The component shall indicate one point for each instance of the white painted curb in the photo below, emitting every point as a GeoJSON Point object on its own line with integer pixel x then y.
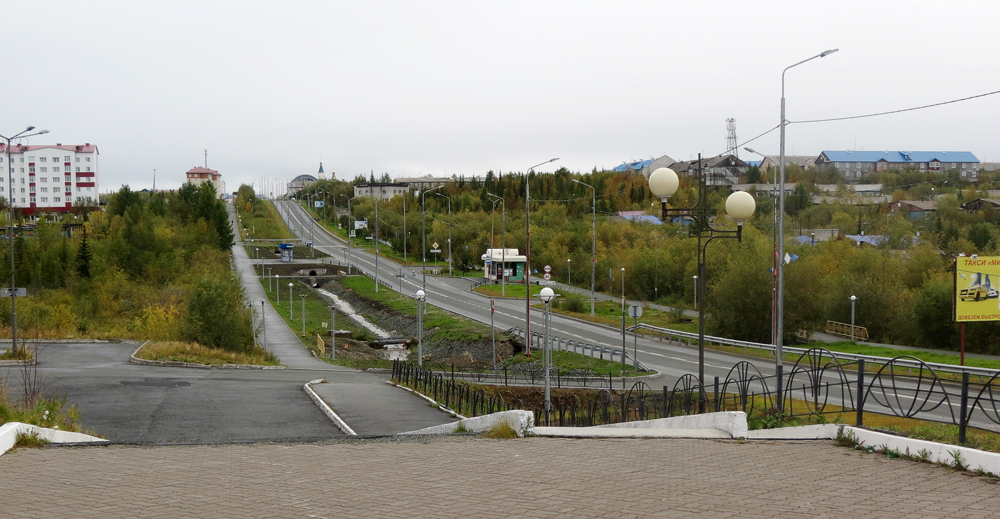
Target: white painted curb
{"type": "Point", "coordinates": [520, 420]}
{"type": "Point", "coordinates": [10, 430]}
{"type": "Point", "coordinates": [341, 424]}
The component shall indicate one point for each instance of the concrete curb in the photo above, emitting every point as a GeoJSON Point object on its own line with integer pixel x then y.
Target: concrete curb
{"type": "Point", "coordinates": [522, 422]}
{"type": "Point", "coordinates": [341, 424]}
{"type": "Point", "coordinates": [10, 430]}
{"type": "Point", "coordinates": [429, 399]}
{"type": "Point", "coordinates": [178, 364]}
{"type": "Point", "coordinates": [727, 424]}
{"type": "Point", "coordinates": [31, 362]}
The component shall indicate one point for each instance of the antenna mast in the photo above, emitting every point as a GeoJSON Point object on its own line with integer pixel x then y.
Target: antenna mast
{"type": "Point", "coordinates": [732, 146]}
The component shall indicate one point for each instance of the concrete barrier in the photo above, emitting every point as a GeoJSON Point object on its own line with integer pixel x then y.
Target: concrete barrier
{"type": "Point", "coordinates": [10, 430]}
{"type": "Point", "coordinates": [521, 421]}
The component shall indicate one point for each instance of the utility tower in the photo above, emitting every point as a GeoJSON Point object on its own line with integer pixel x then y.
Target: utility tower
{"type": "Point", "coordinates": [732, 146]}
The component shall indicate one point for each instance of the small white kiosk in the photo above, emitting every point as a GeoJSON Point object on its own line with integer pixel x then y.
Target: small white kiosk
{"type": "Point", "coordinates": [504, 262]}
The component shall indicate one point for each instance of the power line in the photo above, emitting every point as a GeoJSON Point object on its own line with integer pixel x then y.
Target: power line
{"type": "Point", "coordinates": [896, 111]}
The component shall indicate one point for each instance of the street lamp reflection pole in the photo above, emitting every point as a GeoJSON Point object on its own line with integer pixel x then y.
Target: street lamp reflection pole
{"type": "Point", "coordinates": [503, 239]}
{"type": "Point", "coordinates": [527, 256]}
{"type": "Point", "coordinates": [593, 243]}
{"type": "Point", "coordinates": [10, 215]}
{"type": "Point", "coordinates": [423, 232]}
{"type": "Point", "coordinates": [774, 252]}
{"type": "Point", "coordinates": [421, 297]}
{"type": "Point", "coordinates": [449, 230]}
{"type": "Point", "coordinates": [779, 320]}
{"type": "Point", "coordinates": [547, 295]}
{"type": "Point", "coordinates": [853, 299]}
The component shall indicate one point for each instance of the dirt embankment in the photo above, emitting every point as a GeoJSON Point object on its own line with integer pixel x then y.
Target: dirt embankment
{"type": "Point", "coordinates": [464, 354]}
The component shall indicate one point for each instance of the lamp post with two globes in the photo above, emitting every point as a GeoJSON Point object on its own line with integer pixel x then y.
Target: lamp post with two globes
{"type": "Point", "coordinates": [547, 295]}
{"type": "Point", "coordinates": [740, 206]}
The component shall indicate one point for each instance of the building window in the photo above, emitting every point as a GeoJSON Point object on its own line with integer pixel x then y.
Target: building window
{"type": "Point", "coordinates": [45, 199]}
{"type": "Point", "coordinates": [55, 169]}
{"type": "Point", "coordinates": [45, 190]}
{"type": "Point", "coordinates": [88, 168]}
{"type": "Point", "coordinates": [88, 159]}
{"type": "Point", "coordinates": [67, 158]}
{"type": "Point", "coordinates": [56, 179]}
{"type": "Point", "coordinates": [40, 159]}
{"type": "Point", "coordinates": [32, 199]}
{"type": "Point", "coordinates": [55, 159]}
{"type": "Point", "coordinates": [22, 160]}
{"type": "Point", "coordinates": [44, 179]}
{"type": "Point", "coordinates": [78, 169]}
{"type": "Point", "coordinates": [31, 169]}
{"type": "Point", "coordinates": [44, 169]}
{"type": "Point", "coordinates": [952, 165]}
{"type": "Point", "coordinates": [56, 199]}
{"type": "Point", "coordinates": [78, 159]}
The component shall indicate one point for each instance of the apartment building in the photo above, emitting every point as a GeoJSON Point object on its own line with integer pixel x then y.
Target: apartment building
{"type": "Point", "coordinates": [200, 175]}
{"type": "Point", "coordinates": [854, 164]}
{"type": "Point", "coordinates": [49, 177]}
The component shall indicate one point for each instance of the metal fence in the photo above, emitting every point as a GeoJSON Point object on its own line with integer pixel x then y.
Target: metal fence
{"type": "Point", "coordinates": [692, 338]}
{"type": "Point", "coordinates": [820, 382]}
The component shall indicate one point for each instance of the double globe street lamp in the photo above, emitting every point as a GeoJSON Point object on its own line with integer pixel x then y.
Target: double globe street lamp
{"type": "Point", "coordinates": [740, 206]}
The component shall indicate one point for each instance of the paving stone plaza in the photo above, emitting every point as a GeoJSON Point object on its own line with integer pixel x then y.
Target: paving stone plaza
{"type": "Point", "coordinates": [468, 477]}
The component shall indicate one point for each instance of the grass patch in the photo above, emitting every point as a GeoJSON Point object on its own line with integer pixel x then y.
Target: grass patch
{"type": "Point", "coordinates": [198, 354]}
{"type": "Point", "coordinates": [503, 429]}
{"type": "Point", "coordinates": [22, 354]}
{"type": "Point", "coordinates": [45, 412]}
{"type": "Point", "coordinates": [262, 222]}
{"type": "Point", "coordinates": [512, 291]}
{"type": "Point", "coordinates": [609, 313]}
{"type": "Point", "coordinates": [29, 441]}
{"type": "Point", "coordinates": [566, 362]}
{"type": "Point", "coordinates": [362, 364]}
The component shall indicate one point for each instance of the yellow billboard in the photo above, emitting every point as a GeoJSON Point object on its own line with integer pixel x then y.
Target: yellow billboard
{"type": "Point", "coordinates": [977, 281]}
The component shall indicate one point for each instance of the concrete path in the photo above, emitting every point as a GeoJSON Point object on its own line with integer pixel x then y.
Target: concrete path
{"type": "Point", "coordinates": [462, 476]}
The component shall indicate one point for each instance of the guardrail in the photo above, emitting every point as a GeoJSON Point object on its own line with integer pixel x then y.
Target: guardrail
{"type": "Point", "coordinates": [372, 277]}
{"type": "Point", "coordinates": [560, 344]}
{"type": "Point", "coordinates": [847, 330]}
{"type": "Point", "coordinates": [689, 338]}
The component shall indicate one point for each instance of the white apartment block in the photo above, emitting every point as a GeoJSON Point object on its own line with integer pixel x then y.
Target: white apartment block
{"type": "Point", "coordinates": [49, 177]}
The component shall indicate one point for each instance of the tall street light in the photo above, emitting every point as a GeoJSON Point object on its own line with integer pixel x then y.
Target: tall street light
{"type": "Point", "coordinates": [449, 230]}
{"type": "Point", "coordinates": [593, 243]}
{"type": "Point", "coordinates": [10, 215]}
{"type": "Point", "coordinates": [547, 295]}
{"type": "Point", "coordinates": [740, 206]}
{"type": "Point", "coordinates": [779, 320]}
{"type": "Point", "coordinates": [377, 196]}
{"type": "Point", "coordinates": [423, 231]}
{"type": "Point", "coordinates": [527, 255]}
{"type": "Point", "coordinates": [503, 242]}
{"type": "Point", "coordinates": [774, 253]}
{"type": "Point", "coordinates": [853, 300]}
{"type": "Point", "coordinates": [350, 231]}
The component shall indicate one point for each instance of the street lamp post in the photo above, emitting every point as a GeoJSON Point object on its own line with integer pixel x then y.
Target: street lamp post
{"type": "Point", "coordinates": [774, 251]}
{"type": "Point", "coordinates": [623, 327]}
{"type": "Point", "coordinates": [376, 241]}
{"type": "Point", "coordinates": [421, 297]}
{"type": "Point", "coordinates": [277, 288]}
{"type": "Point", "coordinates": [291, 302]}
{"type": "Point", "coordinates": [303, 296]}
{"type": "Point", "coordinates": [569, 271]}
{"type": "Point", "coordinates": [547, 295]}
{"type": "Point", "coordinates": [449, 230]}
{"type": "Point", "coordinates": [593, 243]}
{"type": "Point", "coordinates": [350, 229]}
{"type": "Point", "coordinates": [503, 242]}
{"type": "Point", "coordinates": [406, 194]}
{"type": "Point", "coordinates": [740, 206]}
{"type": "Point", "coordinates": [333, 332]}
{"type": "Point", "coordinates": [423, 232]}
{"type": "Point", "coordinates": [695, 290]}
{"type": "Point", "coordinates": [779, 319]}
{"type": "Point", "coordinates": [263, 325]}
{"type": "Point", "coordinates": [527, 256]}
{"type": "Point", "coordinates": [853, 299]}
{"type": "Point", "coordinates": [268, 279]}
{"type": "Point", "coordinates": [10, 215]}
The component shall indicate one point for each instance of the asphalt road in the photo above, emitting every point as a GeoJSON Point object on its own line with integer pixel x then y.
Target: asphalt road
{"type": "Point", "coordinates": [671, 360]}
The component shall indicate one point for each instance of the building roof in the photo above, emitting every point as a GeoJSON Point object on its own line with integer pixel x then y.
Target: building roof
{"type": "Point", "coordinates": [857, 188]}
{"type": "Point", "coordinates": [510, 255]}
{"type": "Point", "coordinates": [899, 157]}
{"type": "Point", "coordinates": [633, 166]}
{"type": "Point", "coordinates": [929, 205]}
{"type": "Point", "coordinates": [303, 178]}
{"type": "Point", "coordinates": [320, 172]}
{"type": "Point", "coordinates": [21, 148]}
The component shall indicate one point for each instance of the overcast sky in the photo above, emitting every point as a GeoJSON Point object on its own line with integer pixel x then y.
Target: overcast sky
{"type": "Point", "coordinates": [461, 87]}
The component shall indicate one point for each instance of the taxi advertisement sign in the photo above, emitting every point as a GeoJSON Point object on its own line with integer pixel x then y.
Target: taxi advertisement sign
{"type": "Point", "coordinates": [977, 280]}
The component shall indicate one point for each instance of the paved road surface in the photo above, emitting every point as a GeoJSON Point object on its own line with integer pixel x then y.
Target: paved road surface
{"type": "Point", "coordinates": [464, 477]}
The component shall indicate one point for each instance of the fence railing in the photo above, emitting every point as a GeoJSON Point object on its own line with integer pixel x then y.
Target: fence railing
{"type": "Point", "coordinates": [590, 350]}
{"type": "Point", "coordinates": [819, 383]}
{"type": "Point", "coordinates": [847, 330]}
{"type": "Point", "coordinates": [692, 338]}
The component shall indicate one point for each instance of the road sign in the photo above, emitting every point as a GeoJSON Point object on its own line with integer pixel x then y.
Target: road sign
{"type": "Point", "coordinates": [493, 307]}
{"type": "Point", "coordinates": [435, 246]}
{"type": "Point", "coordinates": [19, 292]}
{"type": "Point", "coordinates": [548, 268]}
{"type": "Point", "coordinates": [547, 276]}
{"type": "Point", "coordinates": [635, 311]}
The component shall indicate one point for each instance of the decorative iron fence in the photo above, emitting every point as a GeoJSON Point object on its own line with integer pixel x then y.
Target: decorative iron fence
{"type": "Point", "coordinates": [819, 383]}
{"type": "Point", "coordinates": [590, 350]}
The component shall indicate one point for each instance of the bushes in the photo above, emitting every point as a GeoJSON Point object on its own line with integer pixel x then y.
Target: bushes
{"type": "Point", "coordinates": [217, 316]}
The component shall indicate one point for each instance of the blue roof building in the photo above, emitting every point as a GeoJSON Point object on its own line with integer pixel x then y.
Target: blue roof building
{"type": "Point", "coordinates": [853, 164]}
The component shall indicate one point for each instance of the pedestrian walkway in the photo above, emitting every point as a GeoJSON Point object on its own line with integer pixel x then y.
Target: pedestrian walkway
{"type": "Point", "coordinates": [362, 399]}
{"type": "Point", "coordinates": [463, 476]}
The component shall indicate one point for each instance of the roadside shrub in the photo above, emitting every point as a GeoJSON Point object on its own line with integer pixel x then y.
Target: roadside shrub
{"type": "Point", "coordinates": [217, 316]}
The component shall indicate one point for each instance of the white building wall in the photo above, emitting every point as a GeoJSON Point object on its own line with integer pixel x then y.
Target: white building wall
{"type": "Point", "coordinates": [50, 177]}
